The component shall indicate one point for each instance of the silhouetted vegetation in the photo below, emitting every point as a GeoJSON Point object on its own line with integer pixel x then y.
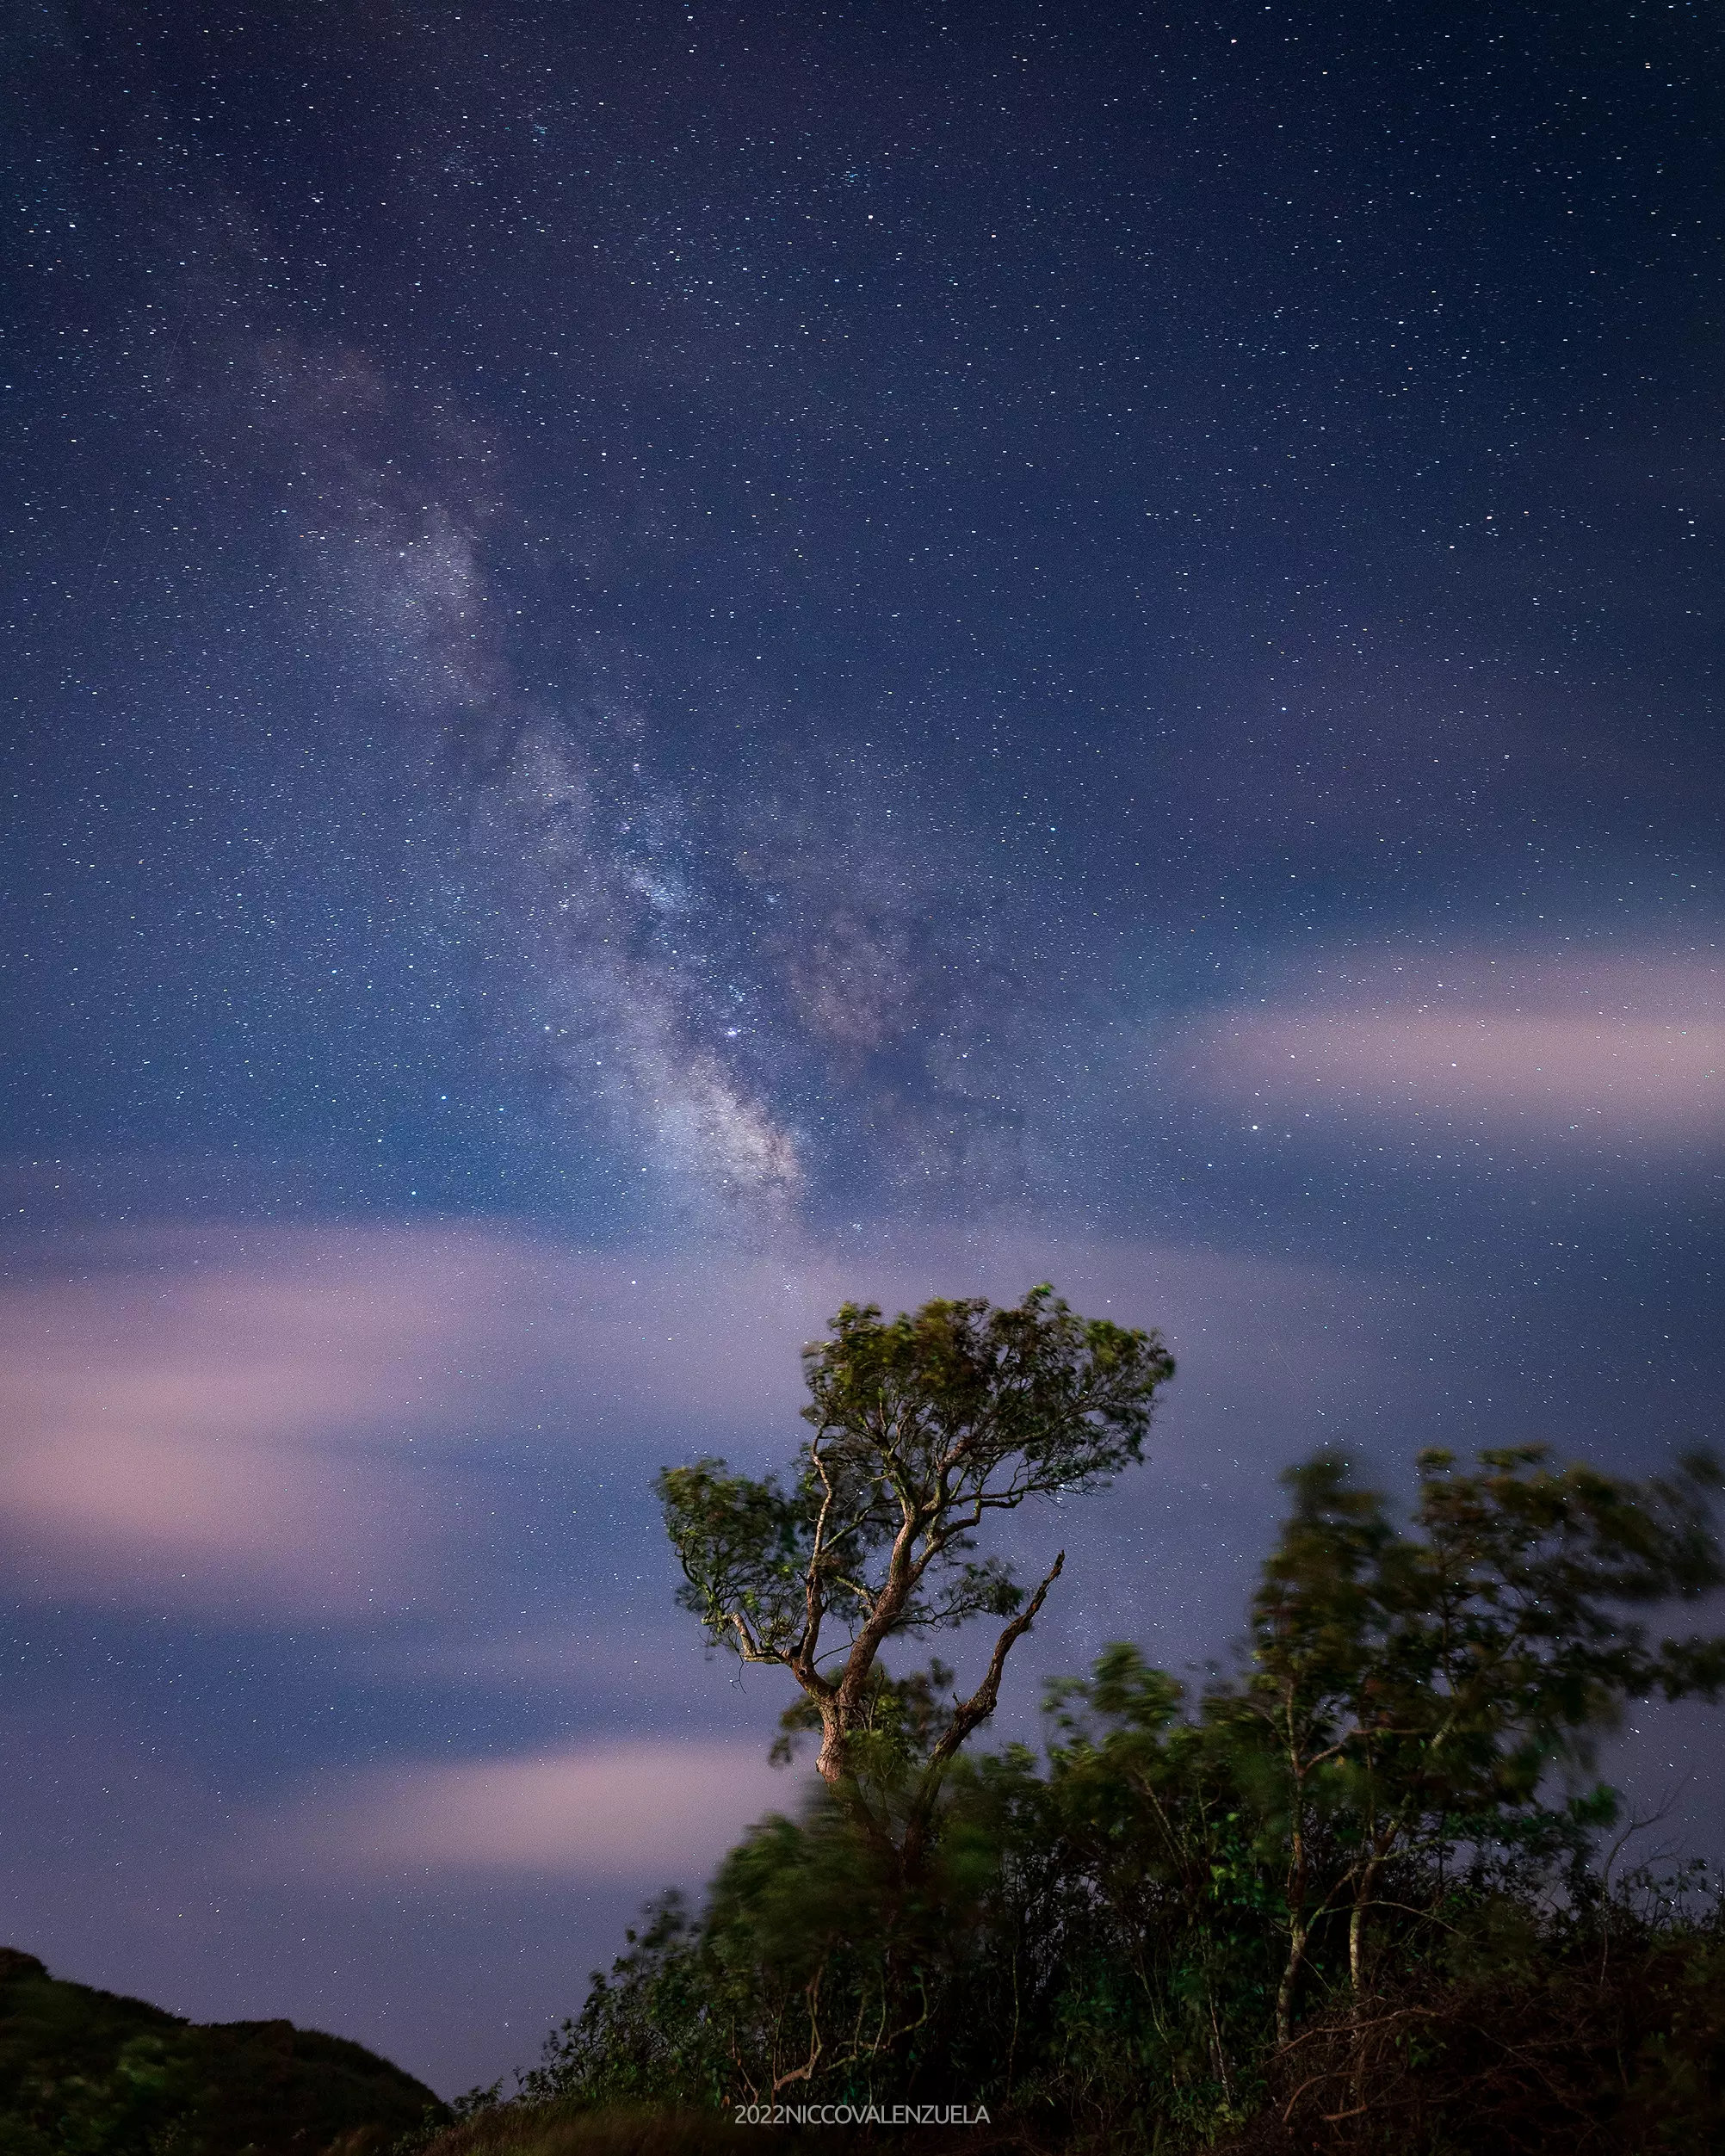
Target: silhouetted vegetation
{"type": "Point", "coordinates": [1356, 1896]}
{"type": "Point", "coordinates": [85, 2073]}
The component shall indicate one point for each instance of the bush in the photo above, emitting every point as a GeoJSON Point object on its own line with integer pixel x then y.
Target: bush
{"type": "Point", "coordinates": [1330, 1903]}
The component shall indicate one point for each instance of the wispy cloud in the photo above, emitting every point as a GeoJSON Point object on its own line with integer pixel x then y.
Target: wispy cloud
{"type": "Point", "coordinates": [192, 1419]}
{"type": "Point", "coordinates": [278, 1420]}
{"type": "Point", "coordinates": [1628, 1048]}
{"type": "Point", "coordinates": [646, 1811]}
{"type": "Point", "coordinates": [267, 1418]}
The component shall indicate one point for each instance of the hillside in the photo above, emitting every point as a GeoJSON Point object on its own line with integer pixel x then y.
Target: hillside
{"type": "Point", "coordinates": [88, 2071]}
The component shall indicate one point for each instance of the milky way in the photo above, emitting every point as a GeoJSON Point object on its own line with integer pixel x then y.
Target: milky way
{"type": "Point", "coordinates": [668, 665]}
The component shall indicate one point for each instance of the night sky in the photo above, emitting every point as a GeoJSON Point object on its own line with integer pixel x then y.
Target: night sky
{"type": "Point", "coordinates": [664, 664]}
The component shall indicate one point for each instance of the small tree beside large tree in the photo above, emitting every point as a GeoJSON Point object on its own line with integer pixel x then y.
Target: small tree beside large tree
{"type": "Point", "coordinates": [923, 1426]}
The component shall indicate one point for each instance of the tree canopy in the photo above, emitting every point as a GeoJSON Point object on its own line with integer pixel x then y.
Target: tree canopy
{"type": "Point", "coordinates": [922, 1426]}
{"type": "Point", "coordinates": [1405, 1682]}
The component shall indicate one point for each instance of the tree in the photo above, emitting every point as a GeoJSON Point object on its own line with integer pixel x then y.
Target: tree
{"type": "Point", "coordinates": [923, 1426]}
{"type": "Point", "coordinates": [1334, 1897]}
{"type": "Point", "coordinates": [1404, 1683]}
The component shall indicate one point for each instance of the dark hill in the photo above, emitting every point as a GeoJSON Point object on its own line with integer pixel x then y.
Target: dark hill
{"type": "Point", "coordinates": [88, 2071]}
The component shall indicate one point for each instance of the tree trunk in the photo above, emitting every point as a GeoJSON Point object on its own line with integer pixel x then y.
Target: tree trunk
{"type": "Point", "coordinates": [1297, 1929]}
{"type": "Point", "coordinates": [831, 1764]}
{"type": "Point", "coordinates": [1357, 1915]}
{"type": "Point", "coordinates": [1284, 1990]}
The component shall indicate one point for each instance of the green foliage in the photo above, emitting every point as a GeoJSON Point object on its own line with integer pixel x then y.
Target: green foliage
{"type": "Point", "coordinates": [1345, 1898]}
{"type": "Point", "coordinates": [922, 1425]}
{"type": "Point", "coordinates": [1465, 1661]}
{"type": "Point", "coordinates": [654, 2030]}
{"type": "Point", "coordinates": [1406, 1691]}
{"type": "Point", "coordinates": [85, 2073]}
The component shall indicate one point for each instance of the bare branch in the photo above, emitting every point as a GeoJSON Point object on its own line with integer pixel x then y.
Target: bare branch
{"type": "Point", "coordinates": [982, 1702]}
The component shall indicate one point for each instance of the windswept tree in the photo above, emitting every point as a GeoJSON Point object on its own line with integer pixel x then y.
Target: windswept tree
{"type": "Point", "coordinates": [1347, 1898]}
{"type": "Point", "coordinates": [1405, 1684]}
{"type": "Point", "coordinates": [922, 1427]}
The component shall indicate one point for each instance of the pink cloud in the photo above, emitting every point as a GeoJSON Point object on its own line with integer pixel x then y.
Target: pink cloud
{"type": "Point", "coordinates": [1625, 1049]}
{"type": "Point", "coordinates": [276, 1420]}
{"type": "Point", "coordinates": [644, 1809]}
{"type": "Point", "coordinates": [261, 1418]}
{"type": "Point", "coordinates": [212, 1415]}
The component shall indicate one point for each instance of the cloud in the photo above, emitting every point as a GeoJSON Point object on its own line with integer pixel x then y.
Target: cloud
{"type": "Point", "coordinates": [277, 1420]}
{"type": "Point", "coordinates": [270, 1419]}
{"type": "Point", "coordinates": [647, 1810]}
{"type": "Point", "coordinates": [207, 1415]}
{"type": "Point", "coordinates": [1626, 1049]}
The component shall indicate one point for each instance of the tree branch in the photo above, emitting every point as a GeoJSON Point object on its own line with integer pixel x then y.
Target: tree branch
{"type": "Point", "coordinates": [982, 1702]}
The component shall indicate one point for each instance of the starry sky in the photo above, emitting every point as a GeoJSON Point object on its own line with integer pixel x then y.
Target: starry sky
{"type": "Point", "coordinates": [667, 663]}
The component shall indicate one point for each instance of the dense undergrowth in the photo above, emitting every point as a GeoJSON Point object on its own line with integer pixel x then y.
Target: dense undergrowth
{"type": "Point", "coordinates": [1358, 1896]}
